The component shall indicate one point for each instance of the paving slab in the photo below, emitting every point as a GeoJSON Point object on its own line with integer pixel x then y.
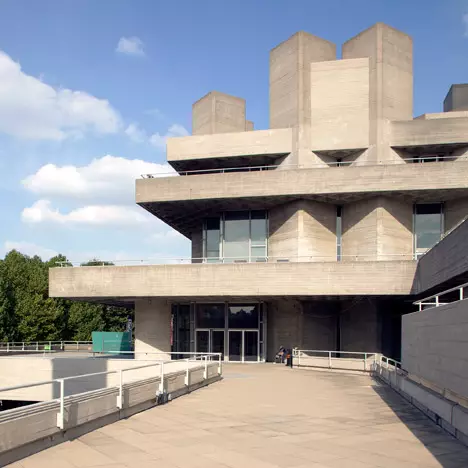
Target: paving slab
{"type": "Point", "coordinates": [268, 416]}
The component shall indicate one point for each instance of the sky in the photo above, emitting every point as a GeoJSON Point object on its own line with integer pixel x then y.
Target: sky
{"type": "Point", "coordinates": [90, 90]}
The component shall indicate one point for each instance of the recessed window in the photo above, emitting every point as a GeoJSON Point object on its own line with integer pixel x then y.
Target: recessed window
{"type": "Point", "coordinates": [236, 236]}
{"type": "Point", "coordinates": [428, 226]}
{"type": "Point", "coordinates": [339, 210]}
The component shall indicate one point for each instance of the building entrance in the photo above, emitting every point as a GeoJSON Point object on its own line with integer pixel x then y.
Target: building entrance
{"type": "Point", "coordinates": [210, 341]}
{"type": "Point", "coordinates": [244, 345]}
{"type": "Point", "coordinates": [237, 331]}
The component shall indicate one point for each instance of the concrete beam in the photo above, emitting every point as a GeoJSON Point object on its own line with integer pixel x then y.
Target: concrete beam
{"type": "Point", "coordinates": [378, 179]}
{"type": "Point", "coordinates": [242, 280]}
{"type": "Point", "coordinates": [185, 150]}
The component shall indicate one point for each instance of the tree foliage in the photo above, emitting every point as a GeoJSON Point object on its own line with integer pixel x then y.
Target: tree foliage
{"type": "Point", "coordinates": [27, 313]}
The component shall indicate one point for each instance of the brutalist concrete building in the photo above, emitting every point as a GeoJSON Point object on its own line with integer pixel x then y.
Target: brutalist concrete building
{"type": "Point", "coordinates": [309, 233]}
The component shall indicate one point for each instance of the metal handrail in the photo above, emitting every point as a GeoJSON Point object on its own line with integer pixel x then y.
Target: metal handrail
{"type": "Point", "coordinates": [218, 170]}
{"type": "Point", "coordinates": [354, 163]}
{"type": "Point", "coordinates": [119, 403]}
{"type": "Point", "coordinates": [422, 302]}
{"type": "Point", "coordinates": [231, 260]}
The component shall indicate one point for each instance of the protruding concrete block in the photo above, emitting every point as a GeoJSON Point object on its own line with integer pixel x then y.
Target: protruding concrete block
{"type": "Point", "coordinates": [218, 113]}
{"type": "Point", "coordinates": [290, 88]}
{"type": "Point", "coordinates": [303, 230]}
{"type": "Point", "coordinates": [379, 227]}
{"type": "Point", "coordinates": [391, 81]}
{"type": "Point", "coordinates": [457, 98]}
{"type": "Point", "coordinates": [340, 104]}
{"type": "Point", "coordinates": [249, 125]}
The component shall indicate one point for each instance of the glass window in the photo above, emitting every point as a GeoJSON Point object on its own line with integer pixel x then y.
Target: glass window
{"type": "Point", "coordinates": [236, 236]}
{"type": "Point", "coordinates": [210, 316]}
{"type": "Point", "coordinates": [339, 210]}
{"type": "Point", "coordinates": [428, 225]}
{"type": "Point", "coordinates": [212, 237]}
{"type": "Point", "coordinates": [243, 316]}
{"type": "Point", "coordinates": [258, 228]}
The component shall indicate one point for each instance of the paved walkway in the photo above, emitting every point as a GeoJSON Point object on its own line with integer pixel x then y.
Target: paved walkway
{"type": "Point", "coordinates": [266, 416]}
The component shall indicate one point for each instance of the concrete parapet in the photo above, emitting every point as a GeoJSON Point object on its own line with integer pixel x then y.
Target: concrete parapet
{"type": "Point", "coordinates": [32, 428]}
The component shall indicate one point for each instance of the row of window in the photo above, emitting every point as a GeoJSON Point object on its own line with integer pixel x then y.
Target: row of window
{"type": "Point", "coordinates": [243, 235]}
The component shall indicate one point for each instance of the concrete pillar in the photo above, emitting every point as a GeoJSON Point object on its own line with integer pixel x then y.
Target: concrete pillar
{"type": "Point", "coordinates": [378, 228]}
{"type": "Point", "coordinates": [218, 113]}
{"type": "Point", "coordinates": [152, 328]}
{"type": "Point", "coordinates": [290, 89]}
{"type": "Point", "coordinates": [302, 230]}
{"type": "Point", "coordinates": [391, 83]}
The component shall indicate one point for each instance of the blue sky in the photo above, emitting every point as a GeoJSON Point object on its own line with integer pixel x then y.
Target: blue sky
{"type": "Point", "coordinates": [90, 89]}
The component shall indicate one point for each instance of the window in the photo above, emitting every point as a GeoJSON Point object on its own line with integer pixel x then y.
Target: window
{"type": "Point", "coordinates": [428, 226]}
{"type": "Point", "coordinates": [425, 158]}
{"type": "Point", "coordinates": [211, 240]}
{"type": "Point", "coordinates": [236, 236]}
{"type": "Point", "coordinates": [210, 316]}
{"type": "Point", "coordinates": [243, 316]}
{"type": "Point", "coordinates": [339, 210]}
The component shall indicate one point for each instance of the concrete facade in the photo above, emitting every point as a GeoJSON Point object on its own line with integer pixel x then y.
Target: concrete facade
{"type": "Point", "coordinates": [337, 179]}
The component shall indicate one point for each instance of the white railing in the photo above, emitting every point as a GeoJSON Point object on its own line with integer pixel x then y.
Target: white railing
{"type": "Point", "coordinates": [429, 159]}
{"type": "Point", "coordinates": [46, 346]}
{"type": "Point", "coordinates": [222, 170]}
{"type": "Point", "coordinates": [240, 260]}
{"type": "Point", "coordinates": [349, 360]}
{"type": "Point", "coordinates": [164, 370]}
{"type": "Point", "coordinates": [456, 294]}
{"type": "Point", "coordinates": [352, 360]}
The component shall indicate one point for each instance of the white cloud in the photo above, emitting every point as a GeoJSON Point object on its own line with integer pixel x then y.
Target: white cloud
{"type": "Point", "coordinates": [29, 248]}
{"type": "Point", "coordinates": [94, 215]}
{"type": "Point", "coordinates": [32, 109]}
{"type": "Point", "coordinates": [108, 178]}
{"type": "Point", "coordinates": [465, 24]}
{"type": "Point", "coordinates": [135, 133]}
{"type": "Point", "coordinates": [174, 130]}
{"type": "Point", "coordinates": [131, 46]}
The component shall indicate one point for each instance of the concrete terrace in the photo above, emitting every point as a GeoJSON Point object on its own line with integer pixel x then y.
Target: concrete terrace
{"type": "Point", "coordinates": [268, 417]}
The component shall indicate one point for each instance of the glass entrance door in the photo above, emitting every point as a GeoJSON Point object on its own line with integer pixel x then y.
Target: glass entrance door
{"type": "Point", "coordinates": [210, 341]}
{"type": "Point", "coordinates": [251, 346]}
{"type": "Point", "coordinates": [235, 345]}
{"type": "Point", "coordinates": [243, 345]}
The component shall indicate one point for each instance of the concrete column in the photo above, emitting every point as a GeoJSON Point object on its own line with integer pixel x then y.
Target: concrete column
{"type": "Point", "coordinates": [302, 229]}
{"type": "Point", "coordinates": [152, 327]}
{"type": "Point", "coordinates": [290, 89]}
{"type": "Point", "coordinates": [391, 83]}
{"type": "Point", "coordinates": [218, 113]}
{"type": "Point", "coordinates": [379, 228]}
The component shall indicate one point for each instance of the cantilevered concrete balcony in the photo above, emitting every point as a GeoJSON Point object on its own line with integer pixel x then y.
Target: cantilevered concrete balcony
{"type": "Point", "coordinates": [254, 148]}
{"type": "Point", "coordinates": [181, 201]}
{"type": "Point", "coordinates": [431, 131]}
{"type": "Point", "coordinates": [210, 281]}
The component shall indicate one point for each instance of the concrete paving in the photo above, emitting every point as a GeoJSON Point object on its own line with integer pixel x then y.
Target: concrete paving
{"type": "Point", "coordinates": [268, 416]}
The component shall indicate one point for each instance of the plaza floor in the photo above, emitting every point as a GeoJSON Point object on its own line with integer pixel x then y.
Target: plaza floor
{"type": "Point", "coordinates": [268, 416]}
